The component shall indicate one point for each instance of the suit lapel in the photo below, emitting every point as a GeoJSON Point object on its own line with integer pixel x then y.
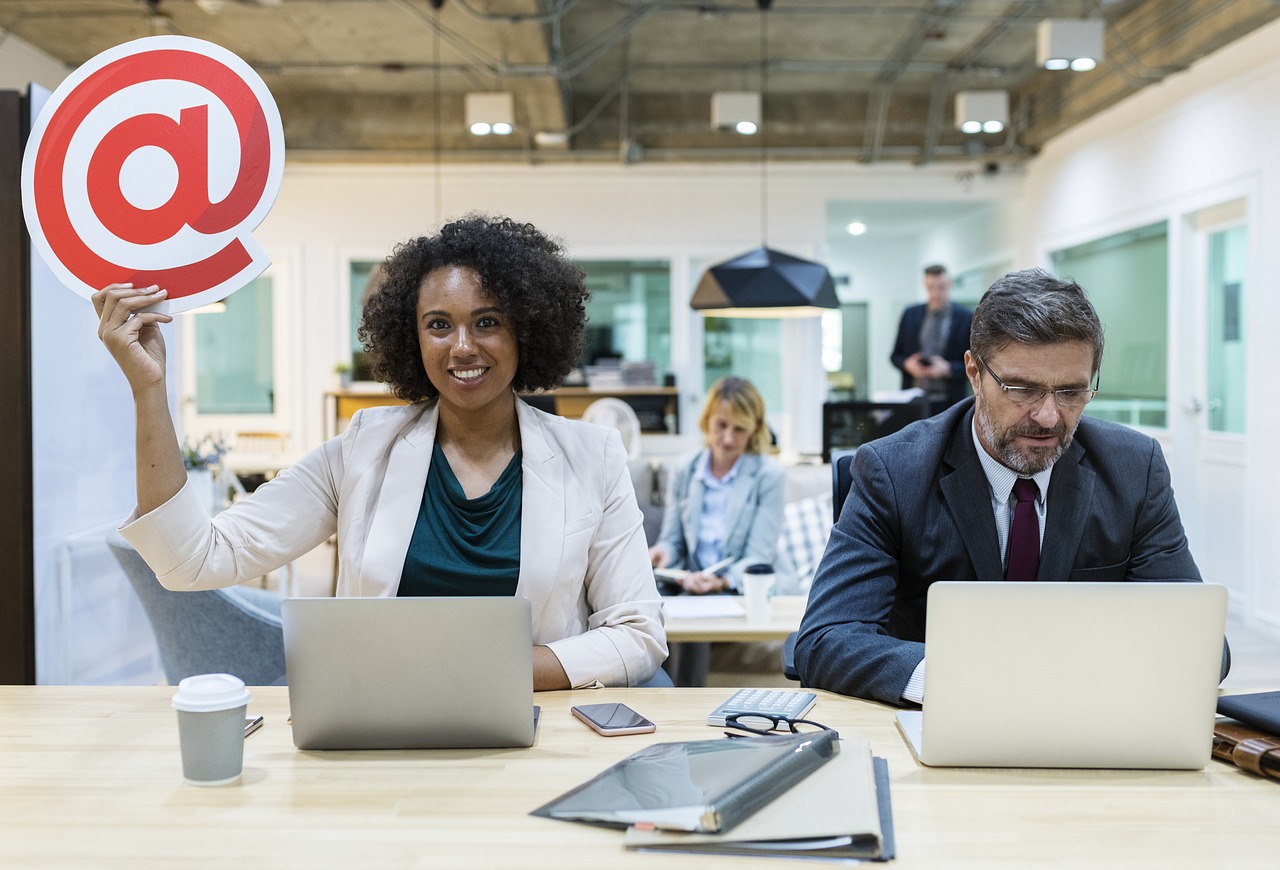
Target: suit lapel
{"type": "Point", "coordinates": [398, 503]}
{"type": "Point", "coordinates": [542, 511]}
{"type": "Point", "coordinates": [1070, 493]}
{"type": "Point", "coordinates": [967, 493]}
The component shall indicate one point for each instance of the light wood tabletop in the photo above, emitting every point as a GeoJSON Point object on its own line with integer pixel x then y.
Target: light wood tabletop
{"type": "Point", "coordinates": [784, 618]}
{"type": "Point", "coordinates": [91, 777]}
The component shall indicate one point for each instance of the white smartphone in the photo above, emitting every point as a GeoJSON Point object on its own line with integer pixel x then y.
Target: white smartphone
{"type": "Point", "coordinates": [612, 720]}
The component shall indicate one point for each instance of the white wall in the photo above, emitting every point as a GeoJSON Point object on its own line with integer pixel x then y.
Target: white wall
{"type": "Point", "coordinates": [692, 215]}
{"type": "Point", "coordinates": [1202, 137]}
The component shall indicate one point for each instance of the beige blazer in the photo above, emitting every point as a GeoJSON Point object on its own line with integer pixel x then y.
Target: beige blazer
{"type": "Point", "coordinates": [583, 561]}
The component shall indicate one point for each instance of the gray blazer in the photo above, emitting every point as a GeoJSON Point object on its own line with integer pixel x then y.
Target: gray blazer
{"type": "Point", "coordinates": [755, 515]}
{"type": "Point", "coordinates": [920, 511]}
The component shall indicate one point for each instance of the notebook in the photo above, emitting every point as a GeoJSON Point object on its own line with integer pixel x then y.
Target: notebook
{"type": "Point", "coordinates": [409, 673]}
{"type": "Point", "coordinates": [1086, 675]}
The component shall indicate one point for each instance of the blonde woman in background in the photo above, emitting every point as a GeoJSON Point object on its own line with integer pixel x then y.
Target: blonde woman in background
{"type": "Point", "coordinates": [723, 502]}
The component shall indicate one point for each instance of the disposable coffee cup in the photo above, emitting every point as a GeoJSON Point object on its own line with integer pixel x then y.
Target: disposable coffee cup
{"type": "Point", "coordinates": [211, 727]}
{"type": "Point", "coordinates": [757, 589]}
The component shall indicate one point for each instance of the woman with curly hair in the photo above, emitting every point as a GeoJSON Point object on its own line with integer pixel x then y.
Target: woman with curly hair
{"type": "Point", "coordinates": [465, 491]}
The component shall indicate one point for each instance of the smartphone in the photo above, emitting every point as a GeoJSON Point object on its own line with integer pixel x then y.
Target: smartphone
{"type": "Point", "coordinates": [612, 720]}
{"type": "Point", "coordinates": [251, 724]}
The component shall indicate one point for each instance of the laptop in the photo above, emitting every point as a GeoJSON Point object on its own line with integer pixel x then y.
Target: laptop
{"type": "Point", "coordinates": [1084, 675]}
{"type": "Point", "coordinates": [409, 673]}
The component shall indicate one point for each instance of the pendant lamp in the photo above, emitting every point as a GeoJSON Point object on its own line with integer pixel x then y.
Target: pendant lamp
{"type": "Point", "coordinates": [764, 282]}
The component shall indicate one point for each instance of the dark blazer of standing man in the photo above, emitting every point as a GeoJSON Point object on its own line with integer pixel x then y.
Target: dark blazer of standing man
{"type": "Point", "coordinates": [932, 502]}
{"type": "Point", "coordinates": [938, 370]}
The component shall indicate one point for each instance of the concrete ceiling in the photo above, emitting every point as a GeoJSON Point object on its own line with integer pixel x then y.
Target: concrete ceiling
{"type": "Point", "coordinates": [631, 80]}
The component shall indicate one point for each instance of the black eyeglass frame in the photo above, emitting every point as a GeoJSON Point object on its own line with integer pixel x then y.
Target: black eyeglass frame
{"type": "Point", "coordinates": [1020, 395]}
{"type": "Point", "coordinates": [731, 721]}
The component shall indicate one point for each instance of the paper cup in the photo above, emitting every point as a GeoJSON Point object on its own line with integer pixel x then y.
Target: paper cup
{"type": "Point", "coordinates": [757, 589]}
{"type": "Point", "coordinates": [211, 711]}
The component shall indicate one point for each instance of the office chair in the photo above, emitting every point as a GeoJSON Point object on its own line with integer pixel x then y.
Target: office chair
{"type": "Point", "coordinates": [234, 631]}
{"type": "Point", "coordinates": [841, 483]}
{"type": "Point", "coordinates": [617, 414]}
{"type": "Point", "coordinates": [841, 480]}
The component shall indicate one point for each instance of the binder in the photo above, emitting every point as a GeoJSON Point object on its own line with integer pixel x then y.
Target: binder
{"type": "Point", "coordinates": [1259, 709]}
{"type": "Point", "coordinates": [841, 811]}
{"type": "Point", "coordinates": [705, 786]}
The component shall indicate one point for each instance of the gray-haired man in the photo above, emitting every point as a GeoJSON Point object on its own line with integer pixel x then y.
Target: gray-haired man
{"type": "Point", "coordinates": [936, 501]}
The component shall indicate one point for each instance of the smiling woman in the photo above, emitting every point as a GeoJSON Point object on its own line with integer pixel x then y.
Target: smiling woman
{"type": "Point", "coordinates": [465, 491]}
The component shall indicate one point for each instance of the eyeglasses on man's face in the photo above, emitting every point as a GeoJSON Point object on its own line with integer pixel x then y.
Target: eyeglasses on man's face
{"type": "Point", "coordinates": [761, 723]}
{"type": "Point", "coordinates": [1019, 395]}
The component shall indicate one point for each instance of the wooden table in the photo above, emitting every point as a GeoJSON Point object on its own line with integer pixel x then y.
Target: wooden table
{"type": "Point", "coordinates": [784, 619]}
{"type": "Point", "coordinates": [90, 777]}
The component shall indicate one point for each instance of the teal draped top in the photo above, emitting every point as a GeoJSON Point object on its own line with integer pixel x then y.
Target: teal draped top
{"type": "Point", "coordinates": [465, 546]}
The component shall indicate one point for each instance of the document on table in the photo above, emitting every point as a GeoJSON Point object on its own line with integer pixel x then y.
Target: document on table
{"type": "Point", "coordinates": [703, 606]}
{"type": "Point", "coordinates": [839, 812]}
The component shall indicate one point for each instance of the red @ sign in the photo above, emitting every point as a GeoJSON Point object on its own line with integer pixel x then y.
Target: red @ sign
{"type": "Point", "coordinates": [152, 164]}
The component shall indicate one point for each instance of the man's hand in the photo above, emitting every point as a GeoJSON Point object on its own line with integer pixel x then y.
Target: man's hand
{"type": "Point", "coordinates": [915, 366]}
{"type": "Point", "coordinates": [937, 368]}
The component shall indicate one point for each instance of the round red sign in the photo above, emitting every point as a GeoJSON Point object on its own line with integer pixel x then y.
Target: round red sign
{"type": "Point", "coordinates": [152, 164]}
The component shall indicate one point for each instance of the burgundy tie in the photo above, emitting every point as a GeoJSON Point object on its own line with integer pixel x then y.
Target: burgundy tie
{"type": "Point", "coordinates": [1024, 534]}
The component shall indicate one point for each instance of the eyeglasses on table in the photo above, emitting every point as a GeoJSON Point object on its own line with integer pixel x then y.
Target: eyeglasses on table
{"type": "Point", "coordinates": [763, 723]}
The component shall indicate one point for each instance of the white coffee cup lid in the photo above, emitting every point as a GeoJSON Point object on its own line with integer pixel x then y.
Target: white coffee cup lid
{"type": "Point", "coordinates": [207, 693]}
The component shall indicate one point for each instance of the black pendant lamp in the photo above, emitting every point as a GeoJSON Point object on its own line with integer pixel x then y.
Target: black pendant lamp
{"type": "Point", "coordinates": [764, 282]}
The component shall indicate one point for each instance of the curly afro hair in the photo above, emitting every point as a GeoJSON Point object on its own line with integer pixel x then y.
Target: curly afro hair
{"type": "Point", "coordinates": [524, 271]}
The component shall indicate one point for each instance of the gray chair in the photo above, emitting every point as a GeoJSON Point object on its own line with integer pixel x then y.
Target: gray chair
{"type": "Point", "coordinates": [234, 631]}
{"type": "Point", "coordinates": [841, 483]}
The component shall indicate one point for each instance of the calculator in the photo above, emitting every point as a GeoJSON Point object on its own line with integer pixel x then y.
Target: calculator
{"type": "Point", "coordinates": [767, 702]}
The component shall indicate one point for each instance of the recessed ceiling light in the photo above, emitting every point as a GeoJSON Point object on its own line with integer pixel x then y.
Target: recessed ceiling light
{"type": "Point", "coordinates": [746, 128]}
{"type": "Point", "coordinates": [856, 228]}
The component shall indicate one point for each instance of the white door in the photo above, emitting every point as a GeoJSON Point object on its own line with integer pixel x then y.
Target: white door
{"type": "Point", "coordinates": [1212, 437]}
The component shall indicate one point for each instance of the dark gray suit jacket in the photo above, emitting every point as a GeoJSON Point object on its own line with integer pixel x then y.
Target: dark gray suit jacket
{"type": "Point", "coordinates": [954, 346]}
{"type": "Point", "coordinates": [919, 511]}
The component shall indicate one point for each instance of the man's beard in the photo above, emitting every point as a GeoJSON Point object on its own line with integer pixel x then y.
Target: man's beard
{"type": "Point", "coordinates": [1007, 451]}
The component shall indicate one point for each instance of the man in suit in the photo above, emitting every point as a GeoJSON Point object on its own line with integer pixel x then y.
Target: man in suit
{"type": "Point", "coordinates": [935, 501]}
{"type": "Point", "coordinates": [932, 340]}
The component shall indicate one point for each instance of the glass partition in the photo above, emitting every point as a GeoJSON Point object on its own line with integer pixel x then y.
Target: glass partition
{"type": "Point", "coordinates": [358, 281]}
{"type": "Point", "coordinates": [1225, 362]}
{"type": "Point", "coordinates": [1126, 278]}
{"type": "Point", "coordinates": [235, 359]}
{"type": "Point", "coordinates": [749, 348]}
{"type": "Point", "coordinates": [629, 313]}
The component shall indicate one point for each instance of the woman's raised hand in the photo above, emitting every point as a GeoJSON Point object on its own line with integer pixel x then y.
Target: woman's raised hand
{"type": "Point", "coordinates": [132, 335]}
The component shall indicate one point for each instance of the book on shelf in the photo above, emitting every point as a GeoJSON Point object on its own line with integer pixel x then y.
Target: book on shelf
{"type": "Point", "coordinates": [697, 785]}
{"type": "Point", "coordinates": [839, 812]}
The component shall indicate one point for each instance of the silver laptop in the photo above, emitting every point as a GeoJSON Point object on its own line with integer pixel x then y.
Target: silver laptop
{"type": "Point", "coordinates": [409, 673]}
{"type": "Point", "coordinates": [1089, 675]}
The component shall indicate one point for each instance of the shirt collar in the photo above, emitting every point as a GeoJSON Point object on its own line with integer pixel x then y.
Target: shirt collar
{"type": "Point", "coordinates": [709, 479]}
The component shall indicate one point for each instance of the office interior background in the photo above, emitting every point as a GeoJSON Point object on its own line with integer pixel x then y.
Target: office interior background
{"type": "Point", "coordinates": [1163, 205]}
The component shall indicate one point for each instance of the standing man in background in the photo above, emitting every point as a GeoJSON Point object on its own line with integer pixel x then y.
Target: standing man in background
{"type": "Point", "coordinates": [932, 340]}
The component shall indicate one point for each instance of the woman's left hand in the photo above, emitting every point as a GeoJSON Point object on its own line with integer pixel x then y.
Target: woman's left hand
{"type": "Point", "coordinates": [698, 583]}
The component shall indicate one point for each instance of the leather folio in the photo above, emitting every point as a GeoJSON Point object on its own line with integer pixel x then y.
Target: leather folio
{"type": "Point", "coordinates": [1247, 748]}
